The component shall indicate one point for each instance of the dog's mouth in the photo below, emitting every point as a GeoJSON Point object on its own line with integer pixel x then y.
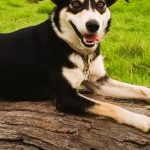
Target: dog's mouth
{"type": "Point", "coordinates": [88, 40]}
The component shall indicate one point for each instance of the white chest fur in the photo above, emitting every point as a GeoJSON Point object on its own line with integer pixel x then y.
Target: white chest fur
{"type": "Point", "coordinates": [85, 70]}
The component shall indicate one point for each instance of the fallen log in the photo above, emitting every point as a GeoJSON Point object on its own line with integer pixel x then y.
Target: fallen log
{"type": "Point", "coordinates": [36, 125]}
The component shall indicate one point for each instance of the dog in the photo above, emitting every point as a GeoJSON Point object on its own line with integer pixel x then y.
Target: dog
{"type": "Point", "coordinates": [55, 58]}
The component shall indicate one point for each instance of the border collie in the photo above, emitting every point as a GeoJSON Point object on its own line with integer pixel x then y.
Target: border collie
{"type": "Point", "coordinates": [55, 58]}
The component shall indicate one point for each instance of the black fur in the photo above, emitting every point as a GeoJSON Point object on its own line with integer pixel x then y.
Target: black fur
{"type": "Point", "coordinates": [110, 2]}
{"type": "Point", "coordinates": [85, 5]}
{"type": "Point", "coordinates": [31, 61]}
{"type": "Point", "coordinates": [108, 25]}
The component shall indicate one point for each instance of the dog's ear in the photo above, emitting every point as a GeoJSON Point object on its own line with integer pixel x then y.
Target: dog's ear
{"type": "Point", "coordinates": [57, 2]}
{"type": "Point", "coordinates": [110, 2]}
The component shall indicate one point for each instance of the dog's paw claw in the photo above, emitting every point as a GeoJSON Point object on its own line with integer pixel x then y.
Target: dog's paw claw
{"type": "Point", "coordinates": [139, 121]}
{"type": "Point", "coordinates": [145, 123]}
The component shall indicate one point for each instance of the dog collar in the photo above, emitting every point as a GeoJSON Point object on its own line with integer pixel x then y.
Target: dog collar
{"type": "Point", "coordinates": [87, 61]}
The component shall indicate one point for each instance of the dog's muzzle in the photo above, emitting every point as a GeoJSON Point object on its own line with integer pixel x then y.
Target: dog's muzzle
{"type": "Point", "coordinates": [88, 40]}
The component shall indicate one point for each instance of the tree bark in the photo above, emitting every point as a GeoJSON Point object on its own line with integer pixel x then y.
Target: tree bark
{"type": "Point", "coordinates": [36, 125]}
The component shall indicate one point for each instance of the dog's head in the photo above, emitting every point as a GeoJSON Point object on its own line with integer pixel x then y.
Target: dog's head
{"type": "Point", "coordinates": [82, 23]}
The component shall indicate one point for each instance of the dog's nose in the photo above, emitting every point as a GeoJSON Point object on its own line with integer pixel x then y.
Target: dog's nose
{"type": "Point", "coordinates": [92, 26]}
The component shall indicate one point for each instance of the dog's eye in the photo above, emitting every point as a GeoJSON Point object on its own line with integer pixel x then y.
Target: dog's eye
{"type": "Point", "coordinates": [100, 4]}
{"type": "Point", "coordinates": [76, 5]}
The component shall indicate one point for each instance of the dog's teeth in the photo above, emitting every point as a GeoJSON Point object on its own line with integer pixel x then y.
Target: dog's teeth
{"type": "Point", "coordinates": [88, 42]}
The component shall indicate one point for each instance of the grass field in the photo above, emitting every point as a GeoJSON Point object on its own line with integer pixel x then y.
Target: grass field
{"type": "Point", "coordinates": [126, 46]}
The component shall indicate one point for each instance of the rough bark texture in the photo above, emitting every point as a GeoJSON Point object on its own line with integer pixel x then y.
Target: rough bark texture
{"type": "Point", "coordinates": [28, 125]}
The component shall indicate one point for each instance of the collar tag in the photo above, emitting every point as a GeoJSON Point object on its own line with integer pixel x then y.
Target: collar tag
{"type": "Point", "coordinates": [87, 60]}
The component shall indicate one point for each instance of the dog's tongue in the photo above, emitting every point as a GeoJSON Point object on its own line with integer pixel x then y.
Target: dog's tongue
{"type": "Point", "coordinates": [92, 38]}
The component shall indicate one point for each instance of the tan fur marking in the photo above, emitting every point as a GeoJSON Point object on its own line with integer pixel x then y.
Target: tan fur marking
{"type": "Point", "coordinates": [107, 110]}
{"type": "Point", "coordinates": [121, 115]}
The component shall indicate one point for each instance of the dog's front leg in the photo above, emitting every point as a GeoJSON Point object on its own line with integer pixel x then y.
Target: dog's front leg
{"type": "Point", "coordinates": [121, 115]}
{"type": "Point", "coordinates": [72, 102]}
{"type": "Point", "coordinates": [69, 100]}
{"type": "Point", "coordinates": [120, 90]}
{"type": "Point", "coordinates": [101, 84]}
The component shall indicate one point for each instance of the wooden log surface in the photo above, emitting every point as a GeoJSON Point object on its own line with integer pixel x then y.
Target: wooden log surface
{"type": "Point", "coordinates": [36, 125]}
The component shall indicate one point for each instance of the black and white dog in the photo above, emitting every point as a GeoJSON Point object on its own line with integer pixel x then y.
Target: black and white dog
{"type": "Point", "coordinates": [54, 58]}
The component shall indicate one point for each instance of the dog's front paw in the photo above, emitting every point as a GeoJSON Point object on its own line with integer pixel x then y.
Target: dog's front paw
{"type": "Point", "coordinates": [139, 121]}
{"type": "Point", "coordinates": [144, 93]}
{"type": "Point", "coordinates": [143, 123]}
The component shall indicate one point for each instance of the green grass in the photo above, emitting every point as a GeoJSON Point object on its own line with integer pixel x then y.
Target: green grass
{"type": "Point", "coordinates": [125, 48]}
{"type": "Point", "coordinates": [16, 14]}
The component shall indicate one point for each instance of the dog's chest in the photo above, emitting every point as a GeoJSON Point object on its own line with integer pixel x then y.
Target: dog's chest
{"type": "Point", "coordinates": [86, 68]}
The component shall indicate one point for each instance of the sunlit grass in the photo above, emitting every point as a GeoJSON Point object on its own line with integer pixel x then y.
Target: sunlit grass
{"type": "Point", "coordinates": [16, 14]}
{"type": "Point", "coordinates": [126, 47]}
